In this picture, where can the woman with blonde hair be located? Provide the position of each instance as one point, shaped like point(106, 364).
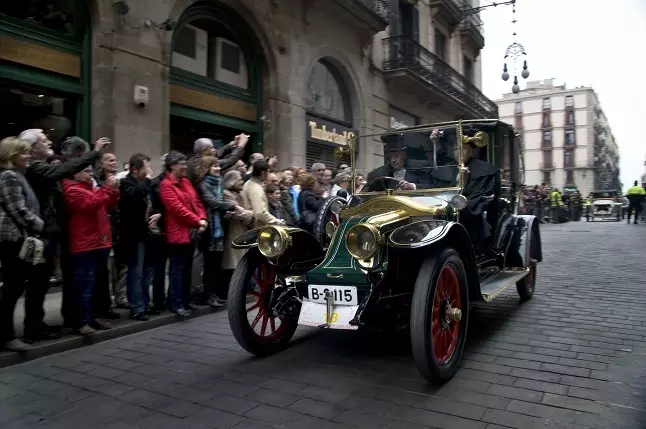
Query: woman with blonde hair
point(20, 219)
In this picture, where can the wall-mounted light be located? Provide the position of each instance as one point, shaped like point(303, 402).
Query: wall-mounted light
point(121, 7)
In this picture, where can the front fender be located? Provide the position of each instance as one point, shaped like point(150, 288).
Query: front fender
point(431, 233)
point(525, 229)
point(303, 254)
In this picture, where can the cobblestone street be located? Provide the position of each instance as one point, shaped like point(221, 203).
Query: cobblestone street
point(572, 357)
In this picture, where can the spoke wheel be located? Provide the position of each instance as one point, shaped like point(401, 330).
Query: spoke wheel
point(253, 322)
point(444, 328)
point(440, 315)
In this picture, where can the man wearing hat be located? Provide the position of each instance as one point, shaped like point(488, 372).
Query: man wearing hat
point(481, 183)
point(398, 166)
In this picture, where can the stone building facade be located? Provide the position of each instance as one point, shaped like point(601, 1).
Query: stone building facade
point(567, 139)
point(299, 75)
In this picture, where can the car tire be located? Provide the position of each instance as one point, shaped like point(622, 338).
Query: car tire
point(437, 345)
point(252, 269)
point(527, 285)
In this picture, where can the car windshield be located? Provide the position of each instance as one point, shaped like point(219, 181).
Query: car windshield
point(416, 159)
point(603, 194)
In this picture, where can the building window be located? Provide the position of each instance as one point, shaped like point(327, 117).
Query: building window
point(546, 119)
point(327, 95)
point(468, 69)
point(568, 159)
point(569, 177)
point(518, 108)
point(547, 160)
point(400, 119)
point(547, 103)
point(569, 118)
point(202, 48)
point(570, 138)
point(569, 101)
point(547, 179)
point(440, 44)
point(57, 15)
point(547, 139)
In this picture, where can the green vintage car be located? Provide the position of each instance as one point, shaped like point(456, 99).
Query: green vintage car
point(395, 255)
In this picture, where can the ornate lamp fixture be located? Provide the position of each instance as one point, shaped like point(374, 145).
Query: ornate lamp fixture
point(514, 52)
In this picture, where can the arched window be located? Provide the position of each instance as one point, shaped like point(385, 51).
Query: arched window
point(326, 93)
point(56, 15)
point(207, 49)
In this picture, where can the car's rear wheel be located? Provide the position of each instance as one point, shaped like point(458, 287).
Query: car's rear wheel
point(253, 322)
point(440, 316)
point(527, 284)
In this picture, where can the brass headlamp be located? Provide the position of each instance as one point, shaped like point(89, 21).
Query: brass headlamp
point(273, 241)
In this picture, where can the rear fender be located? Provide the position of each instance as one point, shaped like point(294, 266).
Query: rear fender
point(525, 230)
point(303, 254)
point(437, 233)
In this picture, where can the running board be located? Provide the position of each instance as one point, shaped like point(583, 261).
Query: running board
point(493, 286)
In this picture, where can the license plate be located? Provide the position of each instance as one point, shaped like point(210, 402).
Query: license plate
point(341, 295)
point(315, 314)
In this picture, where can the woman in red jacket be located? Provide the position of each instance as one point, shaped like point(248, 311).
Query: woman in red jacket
point(90, 238)
point(185, 220)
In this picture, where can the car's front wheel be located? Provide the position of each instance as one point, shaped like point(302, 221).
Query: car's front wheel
point(440, 316)
point(255, 325)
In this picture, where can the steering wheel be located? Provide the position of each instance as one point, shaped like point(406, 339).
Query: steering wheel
point(381, 180)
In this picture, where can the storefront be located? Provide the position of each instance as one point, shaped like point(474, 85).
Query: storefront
point(215, 81)
point(328, 116)
point(45, 68)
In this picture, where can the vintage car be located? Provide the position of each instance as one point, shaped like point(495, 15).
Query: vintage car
point(604, 205)
point(395, 258)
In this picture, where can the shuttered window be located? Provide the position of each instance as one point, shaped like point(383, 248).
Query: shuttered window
point(319, 152)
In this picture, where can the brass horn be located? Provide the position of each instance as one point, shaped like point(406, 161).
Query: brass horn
point(347, 149)
point(479, 139)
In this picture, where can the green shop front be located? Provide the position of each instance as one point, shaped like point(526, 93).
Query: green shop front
point(215, 80)
point(45, 65)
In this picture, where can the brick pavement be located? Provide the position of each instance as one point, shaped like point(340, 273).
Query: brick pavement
point(574, 357)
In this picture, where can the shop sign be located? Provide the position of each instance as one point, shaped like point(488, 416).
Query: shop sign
point(321, 130)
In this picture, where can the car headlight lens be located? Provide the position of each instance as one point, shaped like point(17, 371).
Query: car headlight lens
point(336, 207)
point(458, 202)
point(273, 241)
point(363, 241)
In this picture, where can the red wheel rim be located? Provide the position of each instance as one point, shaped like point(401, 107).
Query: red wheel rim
point(445, 334)
point(259, 316)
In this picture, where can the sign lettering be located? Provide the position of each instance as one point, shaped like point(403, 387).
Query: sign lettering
point(330, 136)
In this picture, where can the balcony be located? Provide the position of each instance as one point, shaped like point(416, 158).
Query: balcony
point(449, 11)
point(546, 145)
point(374, 13)
point(409, 64)
point(472, 30)
point(547, 166)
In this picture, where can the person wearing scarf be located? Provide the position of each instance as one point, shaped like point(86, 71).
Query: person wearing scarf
point(209, 188)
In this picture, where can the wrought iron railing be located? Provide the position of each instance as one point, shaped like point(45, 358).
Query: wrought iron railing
point(473, 21)
point(402, 53)
point(380, 7)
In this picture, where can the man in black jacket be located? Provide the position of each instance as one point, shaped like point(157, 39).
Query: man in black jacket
point(228, 154)
point(135, 207)
point(156, 250)
point(44, 178)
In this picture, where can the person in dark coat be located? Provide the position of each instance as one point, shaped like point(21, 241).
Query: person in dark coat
point(134, 208)
point(228, 154)
point(309, 201)
point(481, 184)
point(156, 248)
point(398, 167)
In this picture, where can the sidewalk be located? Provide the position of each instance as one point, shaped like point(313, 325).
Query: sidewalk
point(121, 327)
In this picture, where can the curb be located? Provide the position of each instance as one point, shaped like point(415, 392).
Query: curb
point(73, 341)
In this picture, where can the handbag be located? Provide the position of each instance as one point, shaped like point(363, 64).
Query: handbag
point(32, 251)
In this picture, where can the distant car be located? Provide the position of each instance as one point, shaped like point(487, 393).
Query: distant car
point(604, 205)
point(394, 259)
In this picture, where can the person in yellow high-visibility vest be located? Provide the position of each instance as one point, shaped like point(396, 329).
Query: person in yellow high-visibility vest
point(635, 195)
point(556, 202)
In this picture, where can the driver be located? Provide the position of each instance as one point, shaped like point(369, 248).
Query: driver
point(398, 167)
point(481, 182)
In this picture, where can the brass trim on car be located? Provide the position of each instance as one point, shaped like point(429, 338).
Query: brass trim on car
point(393, 202)
point(351, 241)
point(285, 240)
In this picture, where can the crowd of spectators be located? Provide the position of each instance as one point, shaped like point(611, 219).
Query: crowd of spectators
point(115, 236)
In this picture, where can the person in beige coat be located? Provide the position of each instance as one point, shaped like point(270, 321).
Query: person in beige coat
point(254, 197)
point(238, 223)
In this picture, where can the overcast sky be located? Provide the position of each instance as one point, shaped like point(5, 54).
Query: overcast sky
point(581, 43)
